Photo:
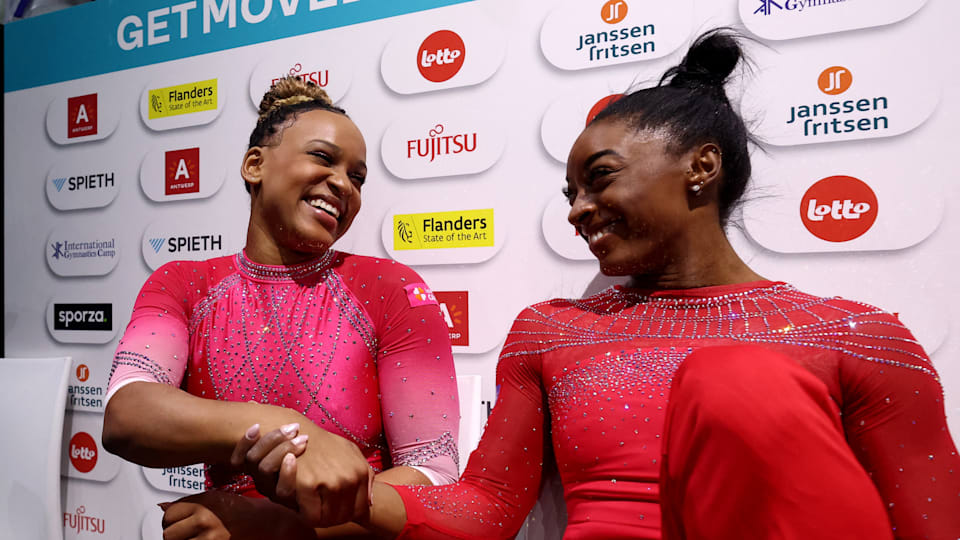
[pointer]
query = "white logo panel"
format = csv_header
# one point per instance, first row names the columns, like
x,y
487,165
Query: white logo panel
x,y
83,115
822,94
75,249
566,118
180,171
560,235
449,54
332,73
82,455
181,239
87,319
187,479
431,144
788,19
778,219
86,181
585,34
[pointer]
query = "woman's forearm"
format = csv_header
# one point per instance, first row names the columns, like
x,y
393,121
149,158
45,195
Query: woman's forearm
x,y
156,425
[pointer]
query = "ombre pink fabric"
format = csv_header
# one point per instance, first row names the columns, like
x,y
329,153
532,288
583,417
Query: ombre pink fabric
x,y
357,344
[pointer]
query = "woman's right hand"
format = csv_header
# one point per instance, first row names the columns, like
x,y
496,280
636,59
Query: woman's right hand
x,y
328,480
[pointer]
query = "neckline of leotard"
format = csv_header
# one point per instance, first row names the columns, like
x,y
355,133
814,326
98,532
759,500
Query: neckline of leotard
x,y
701,296
293,272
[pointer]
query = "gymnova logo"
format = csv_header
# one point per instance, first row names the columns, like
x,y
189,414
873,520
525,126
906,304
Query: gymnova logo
x,y
81,456
82,115
182,171
824,205
566,117
434,143
823,96
86,181
181,104
788,19
79,250
330,72
182,240
562,238
583,34
450,55
441,237
188,479
81,321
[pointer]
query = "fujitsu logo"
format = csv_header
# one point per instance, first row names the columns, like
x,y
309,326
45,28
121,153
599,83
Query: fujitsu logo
x,y
79,522
320,77
441,56
438,144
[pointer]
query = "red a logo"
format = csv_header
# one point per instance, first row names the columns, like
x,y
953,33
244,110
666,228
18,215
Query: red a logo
x,y
182,171
81,116
453,306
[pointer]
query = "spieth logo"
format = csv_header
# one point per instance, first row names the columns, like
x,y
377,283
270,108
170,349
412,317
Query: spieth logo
x,y
766,6
83,452
83,317
453,306
438,144
441,56
613,11
601,105
84,182
180,244
79,522
320,77
182,171
83,372
838,208
835,80
82,116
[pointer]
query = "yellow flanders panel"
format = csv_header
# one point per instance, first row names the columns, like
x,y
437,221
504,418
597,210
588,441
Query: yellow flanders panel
x,y
434,230
183,99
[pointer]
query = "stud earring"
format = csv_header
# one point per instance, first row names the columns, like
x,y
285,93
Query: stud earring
x,y
696,188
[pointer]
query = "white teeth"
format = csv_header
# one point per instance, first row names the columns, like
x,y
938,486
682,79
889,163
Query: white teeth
x,y
325,206
599,234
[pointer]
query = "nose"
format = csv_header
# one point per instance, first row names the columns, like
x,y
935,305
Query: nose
x,y
581,210
338,181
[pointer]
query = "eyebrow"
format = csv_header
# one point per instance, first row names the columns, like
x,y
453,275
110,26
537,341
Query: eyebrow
x,y
597,155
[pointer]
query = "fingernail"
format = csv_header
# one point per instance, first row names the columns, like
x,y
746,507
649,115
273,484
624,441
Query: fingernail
x,y
252,432
299,440
164,505
290,429
289,459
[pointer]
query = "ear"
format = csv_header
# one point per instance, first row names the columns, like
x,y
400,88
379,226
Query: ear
x,y
703,167
251,168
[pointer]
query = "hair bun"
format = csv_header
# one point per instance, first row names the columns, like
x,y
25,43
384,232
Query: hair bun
x,y
709,61
292,90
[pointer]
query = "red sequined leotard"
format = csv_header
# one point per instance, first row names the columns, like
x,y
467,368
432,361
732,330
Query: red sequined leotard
x,y
357,344
591,377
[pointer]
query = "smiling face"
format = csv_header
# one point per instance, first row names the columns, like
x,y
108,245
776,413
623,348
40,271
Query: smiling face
x,y
306,184
629,198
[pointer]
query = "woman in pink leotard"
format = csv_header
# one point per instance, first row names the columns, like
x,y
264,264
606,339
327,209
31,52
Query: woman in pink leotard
x,y
348,355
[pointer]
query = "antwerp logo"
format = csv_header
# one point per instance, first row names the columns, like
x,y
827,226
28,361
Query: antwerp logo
x,y
182,171
441,56
453,307
434,230
838,208
613,11
83,452
82,116
835,80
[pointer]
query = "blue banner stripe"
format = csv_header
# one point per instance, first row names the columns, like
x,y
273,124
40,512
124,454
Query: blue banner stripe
x,y
83,40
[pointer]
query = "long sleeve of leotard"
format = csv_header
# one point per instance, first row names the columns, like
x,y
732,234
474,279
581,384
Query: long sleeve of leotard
x,y
502,478
418,383
894,420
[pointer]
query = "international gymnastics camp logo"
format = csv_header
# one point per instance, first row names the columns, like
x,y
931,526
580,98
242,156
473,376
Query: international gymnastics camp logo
x,y
767,6
839,208
441,56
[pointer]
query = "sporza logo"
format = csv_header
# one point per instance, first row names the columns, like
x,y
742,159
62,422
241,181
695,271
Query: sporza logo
x,y
766,6
96,317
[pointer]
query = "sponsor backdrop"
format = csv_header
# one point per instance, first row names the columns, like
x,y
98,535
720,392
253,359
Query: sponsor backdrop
x,y
125,122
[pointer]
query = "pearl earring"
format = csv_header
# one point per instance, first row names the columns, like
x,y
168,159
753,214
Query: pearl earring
x,y
696,188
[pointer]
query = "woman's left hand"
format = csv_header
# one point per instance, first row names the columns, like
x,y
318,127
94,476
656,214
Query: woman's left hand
x,y
192,521
216,515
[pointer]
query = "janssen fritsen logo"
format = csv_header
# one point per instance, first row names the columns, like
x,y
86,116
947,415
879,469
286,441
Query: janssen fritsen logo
x,y
96,317
83,372
439,143
838,208
841,116
454,308
85,182
181,171
768,7
441,56
82,452
617,42
82,116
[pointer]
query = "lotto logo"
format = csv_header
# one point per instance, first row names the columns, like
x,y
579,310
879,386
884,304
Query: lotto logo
x,y
83,452
81,116
613,11
601,105
440,56
835,80
838,208
182,171
83,372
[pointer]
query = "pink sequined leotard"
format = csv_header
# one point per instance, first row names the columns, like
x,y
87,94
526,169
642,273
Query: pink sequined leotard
x,y
357,344
591,377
